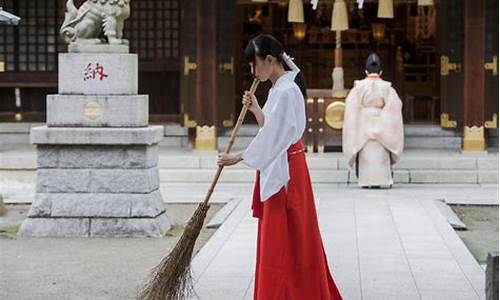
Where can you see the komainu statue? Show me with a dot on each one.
(95, 21)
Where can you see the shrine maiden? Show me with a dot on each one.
(291, 262)
(372, 135)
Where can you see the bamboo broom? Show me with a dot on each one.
(171, 279)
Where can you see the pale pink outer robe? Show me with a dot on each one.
(375, 134)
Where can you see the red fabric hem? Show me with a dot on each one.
(291, 261)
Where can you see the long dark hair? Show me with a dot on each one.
(264, 45)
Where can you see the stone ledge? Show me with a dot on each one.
(400, 176)
(97, 157)
(55, 227)
(441, 163)
(98, 205)
(130, 227)
(323, 176)
(428, 131)
(443, 176)
(241, 143)
(487, 176)
(174, 129)
(95, 227)
(97, 181)
(490, 163)
(97, 110)
(97, 136)
(422, 142)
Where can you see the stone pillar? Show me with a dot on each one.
(491, 288)
(97, 157)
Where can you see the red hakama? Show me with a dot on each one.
(291, 261)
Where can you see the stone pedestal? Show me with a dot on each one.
(97, 157)
(97, 110)
(98, 73)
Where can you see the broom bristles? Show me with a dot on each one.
(171, 279)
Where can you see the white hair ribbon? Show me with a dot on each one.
(314, 4)
(289, 62)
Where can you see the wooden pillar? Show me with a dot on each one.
(206, 75)
(474, 76)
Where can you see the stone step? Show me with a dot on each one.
(176, 136)
(416, 137)
(425, 142)
(25, 159)
(411, 142)
(431, 137)
(199, 182)
(337, 176)
(428, 130)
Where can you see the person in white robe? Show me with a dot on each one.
(372, 134)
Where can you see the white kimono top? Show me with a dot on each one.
(284, 125)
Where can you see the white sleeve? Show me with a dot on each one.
(276, 136)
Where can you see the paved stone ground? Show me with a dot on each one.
(83, 268)
(482, 229)
(381, 245)
(18, 170)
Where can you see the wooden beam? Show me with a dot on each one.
(474, 74)
(206, 72)
(28, 79)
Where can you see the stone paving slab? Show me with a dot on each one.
(450, 215)
(467, 194)
(380, 244)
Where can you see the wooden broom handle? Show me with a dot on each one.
(229, 146)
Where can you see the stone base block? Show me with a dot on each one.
(95, 227)
(487, 163)
(487, 176)
(97, 180)
(53, 227)
(96, 136)
(399, 176)
(131, 227)
(450, 143)
(98, 73)
(97, 48)
(99, 205)
(436, 163)
(97, 156)
(443, 176)
(93, 111)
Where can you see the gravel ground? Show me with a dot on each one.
(481, 235)
(83, 268)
